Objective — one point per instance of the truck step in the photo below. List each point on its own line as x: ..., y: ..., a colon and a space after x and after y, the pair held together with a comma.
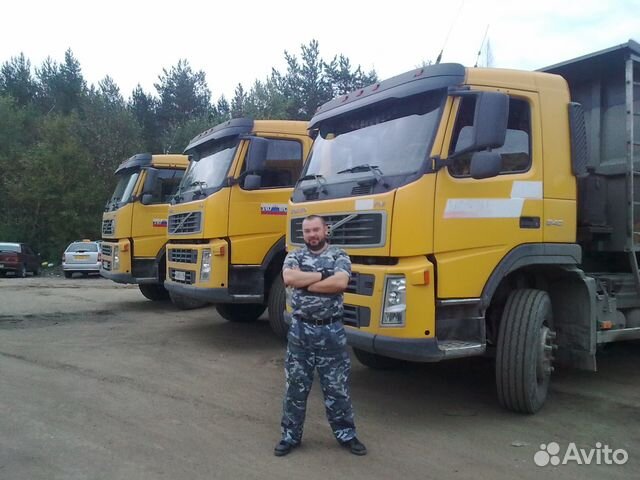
x: 608, y: 336
x: 459, y: 348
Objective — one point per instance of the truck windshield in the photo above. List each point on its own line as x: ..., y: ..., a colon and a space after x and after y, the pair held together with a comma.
x: 122, y: 194
x: 389, y: 138
x: 207, y: 170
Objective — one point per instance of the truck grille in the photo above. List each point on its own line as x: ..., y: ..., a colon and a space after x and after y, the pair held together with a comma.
x: 362, y: 231
x: 108, y: 226
x: 189, y: 276
x: 356, y: 316
x: 107, y: 250
x: 183, y: 255
x: 187, y: 222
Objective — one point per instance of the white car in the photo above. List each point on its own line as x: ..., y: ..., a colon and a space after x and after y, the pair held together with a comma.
x: 83, y: 256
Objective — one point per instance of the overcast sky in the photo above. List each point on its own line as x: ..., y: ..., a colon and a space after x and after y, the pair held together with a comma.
x: 239, y: 41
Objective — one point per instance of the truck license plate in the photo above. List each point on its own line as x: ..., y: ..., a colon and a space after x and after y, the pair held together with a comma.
x: 178, y: 275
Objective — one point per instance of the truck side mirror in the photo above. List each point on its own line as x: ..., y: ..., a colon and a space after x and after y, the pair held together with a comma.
x: 489, y: 123
x: 485, y: 165
x: 257, y: 154
x: 252, y: 182
x: 146, y: 199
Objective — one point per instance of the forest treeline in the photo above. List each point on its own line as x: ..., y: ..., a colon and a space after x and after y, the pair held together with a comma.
x: 61, y: 139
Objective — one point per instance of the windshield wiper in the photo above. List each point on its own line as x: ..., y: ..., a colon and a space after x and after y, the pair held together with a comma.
x: 319, y: 187
x: 365, y: 167
x: 201, y: 185
x: 176, y: 196
x: 112, y: 204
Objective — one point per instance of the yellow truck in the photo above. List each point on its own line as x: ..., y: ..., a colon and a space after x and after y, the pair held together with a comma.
x: 134, y: 223
x: 486, y: 211
x: 227, y: 222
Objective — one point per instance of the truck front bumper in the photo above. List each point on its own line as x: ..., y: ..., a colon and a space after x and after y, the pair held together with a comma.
x: 411, y: 349
x: 127, y: 278
x: 211, y: 295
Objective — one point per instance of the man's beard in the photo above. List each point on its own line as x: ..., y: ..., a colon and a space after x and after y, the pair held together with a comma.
x: 318, y: 247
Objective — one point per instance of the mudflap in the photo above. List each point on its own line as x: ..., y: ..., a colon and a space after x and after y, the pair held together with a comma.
x: 574, y: 300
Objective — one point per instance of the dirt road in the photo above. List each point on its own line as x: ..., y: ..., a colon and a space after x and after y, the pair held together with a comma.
x: 97, y: 382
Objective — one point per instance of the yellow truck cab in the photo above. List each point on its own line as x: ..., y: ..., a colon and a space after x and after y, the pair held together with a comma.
x: 134, y: 223
x: 486, y: 211
x: 227, y: 222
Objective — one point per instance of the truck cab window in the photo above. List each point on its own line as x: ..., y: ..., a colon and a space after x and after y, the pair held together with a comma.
x: 516, y: 151
x: 283, y: 164
x: 166, y: 185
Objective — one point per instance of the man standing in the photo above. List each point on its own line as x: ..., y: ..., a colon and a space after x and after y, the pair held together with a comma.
x: 318, y: 273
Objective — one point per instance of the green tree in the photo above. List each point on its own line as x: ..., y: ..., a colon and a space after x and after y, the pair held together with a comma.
x: 17, y: 132
x: 223, y: 109
x: 343, y: 78
x: 310, y: 82
x: 265, y: 101
x: 143, y: 108
x: 238, y: 102
x: 51, y: 196
x: 62, y: 86
x: 17, y: 81
x: 183, y: 96
x: 109, y: 132
x: 186, y: 131
x: 303, y: 84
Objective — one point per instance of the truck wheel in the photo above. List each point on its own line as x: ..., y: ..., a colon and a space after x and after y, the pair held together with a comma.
x: 240, y: 312
x: 186, y: 303
x: 375, y: 361
x: 524, y: 351
x: 154, y: 291
x: 277, y: 305
x: 68, y: 274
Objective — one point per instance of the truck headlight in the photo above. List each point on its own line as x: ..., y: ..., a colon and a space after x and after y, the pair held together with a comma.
x: 205, y: 268
x: 395, y: 301
x: 115, y: 261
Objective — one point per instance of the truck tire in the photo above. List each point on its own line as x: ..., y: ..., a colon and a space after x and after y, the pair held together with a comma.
x: 186, y: 303
x: 154, y: 291
x: 68, y: 274
x: 524, y: 351
x: 375, y: 361
x: 277, y: 305
x: 240, y: 312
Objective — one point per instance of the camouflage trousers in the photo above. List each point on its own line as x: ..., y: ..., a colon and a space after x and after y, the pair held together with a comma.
x: 322, y: 348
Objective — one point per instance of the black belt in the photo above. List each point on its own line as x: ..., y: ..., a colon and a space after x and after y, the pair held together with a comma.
x: 318, y: 322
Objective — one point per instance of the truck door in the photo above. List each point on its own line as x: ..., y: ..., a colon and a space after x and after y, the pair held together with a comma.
x: 149, y: 224
x: 477, y: 222
x: 257, y: 218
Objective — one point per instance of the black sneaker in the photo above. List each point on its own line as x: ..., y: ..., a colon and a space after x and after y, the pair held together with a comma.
x: 282, y: 448
x: 355, y: 446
